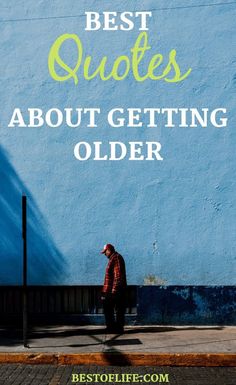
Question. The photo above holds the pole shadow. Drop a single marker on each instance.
(46, 264)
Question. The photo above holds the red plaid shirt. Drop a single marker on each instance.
(115, 277)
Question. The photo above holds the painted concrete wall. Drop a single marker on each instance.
(173, 220)
(185, 305)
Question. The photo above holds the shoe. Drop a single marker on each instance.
(110, 330)
(114, 330)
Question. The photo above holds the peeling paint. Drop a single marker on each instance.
(154, 280)
(182, 305)
(155, 247)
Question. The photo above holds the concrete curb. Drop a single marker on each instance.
(122, 359)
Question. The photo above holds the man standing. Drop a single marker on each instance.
(114, 290)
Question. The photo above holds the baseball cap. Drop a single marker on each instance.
(108, 246)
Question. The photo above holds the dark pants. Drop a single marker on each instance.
(114, 310)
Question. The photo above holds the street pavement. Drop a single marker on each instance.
(151, 343)
(17, 374)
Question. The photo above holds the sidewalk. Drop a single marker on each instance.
(139, 345)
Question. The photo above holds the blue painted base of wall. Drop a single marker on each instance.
(185, 305)
(146, 305)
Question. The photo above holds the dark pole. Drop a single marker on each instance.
(24, 236)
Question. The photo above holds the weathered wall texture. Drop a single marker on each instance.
(174, 221)
(185, 305)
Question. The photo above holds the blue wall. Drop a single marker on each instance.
(185, 305)
(174, 221)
